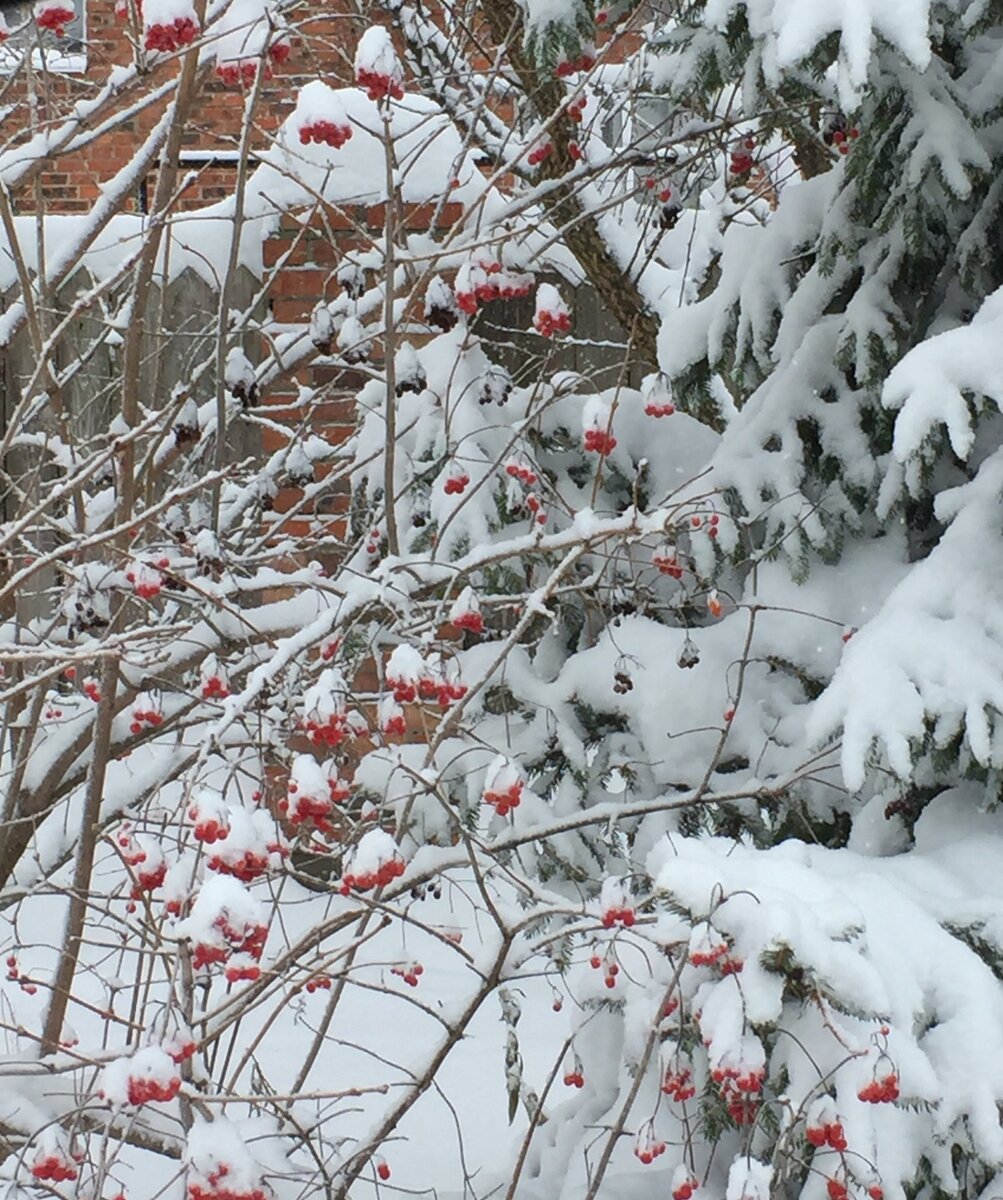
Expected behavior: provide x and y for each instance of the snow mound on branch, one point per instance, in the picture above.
(934, 653)
(840, 917)
(219, 1150)
(792, 29)
(428, 149)
(928, 386)
(198, 243)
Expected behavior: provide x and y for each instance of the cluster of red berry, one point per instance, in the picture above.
(244, 72)
(213, 688)
(881, 1091)
(327, 132)
(547, 323)
(90, 688)
(410, 973)
(840, 137)
(54, 17)
(14, 976)
(540, 153)
(482, 283)
(521, 471)
(466, 300)
(456, 482)
(179, 1049)
(504, 801)
(171, 35)
(372, 547)
(740, 1092)
(145, 716)
(568, 66)
(685, 1188)
(622, 916)
(318, 983)
(246, 865)
(708, 953)
(647, 1150)
(829, 1134)
(393, 722)
(665, 561)
(148, 879)
(237, 971)
(742, 162)
(575, 152)
(143, 1089)
(54, 1167)
(301, 808)
(713, 521)
(836, 1190)
(472, 621)
(208, 828)
(386, 873)
(197, 1192)
(717, 955)
(147, 582)
(599, 441)
(149, 873)
(664, 192)
(679, 1084)
(378, 85)
(576, 108)
(406, 692)
(331, 731)
(217, 1190)
(533, 504)
(609, 966)
(249, 940)
(574, 1079)
(382, 1169)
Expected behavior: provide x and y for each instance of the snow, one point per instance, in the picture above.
(723, 719)
(927, 387)
(200, 244)
(375, 54)
(934, 652)
(791, 30)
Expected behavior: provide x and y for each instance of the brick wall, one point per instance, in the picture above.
(320, 47)
(304, 260)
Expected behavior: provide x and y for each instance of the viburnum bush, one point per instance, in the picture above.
(582, 758)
